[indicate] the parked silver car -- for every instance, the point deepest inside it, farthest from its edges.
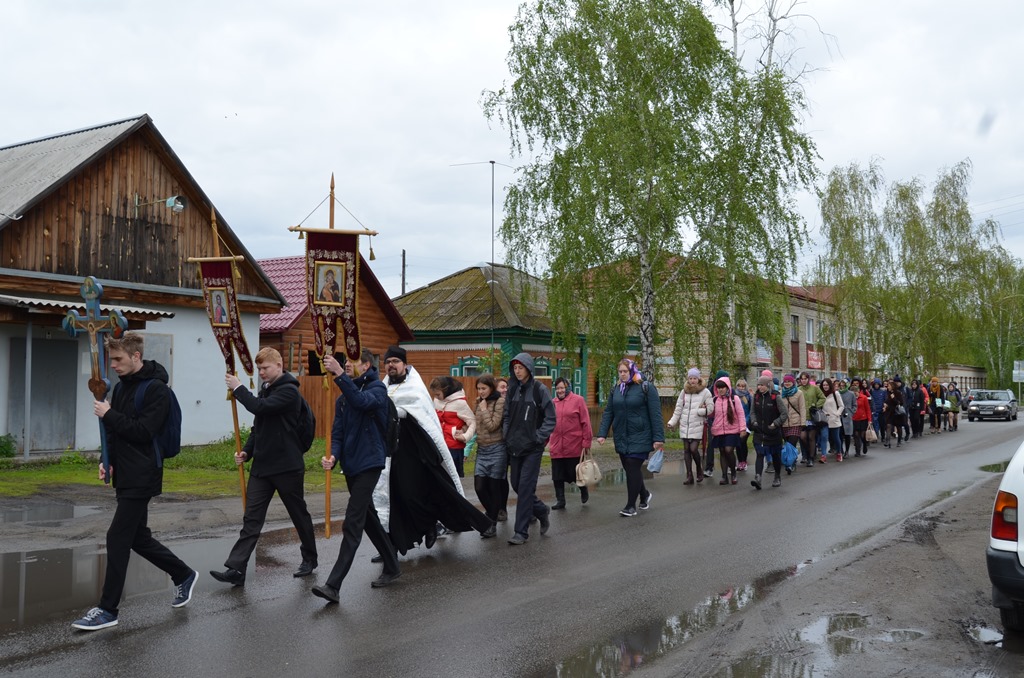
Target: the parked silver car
(993, 404)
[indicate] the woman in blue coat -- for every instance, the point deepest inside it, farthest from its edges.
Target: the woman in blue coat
(633, 413)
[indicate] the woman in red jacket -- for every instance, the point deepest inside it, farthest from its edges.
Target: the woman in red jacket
(457, 419)
(571, 437)
(861, 418)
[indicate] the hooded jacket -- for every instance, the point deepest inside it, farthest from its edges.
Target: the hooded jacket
(692, 408)
(360, 418)
(130, 433)
(529, 413)
(273, 444)
(795, 409)
(721, 425)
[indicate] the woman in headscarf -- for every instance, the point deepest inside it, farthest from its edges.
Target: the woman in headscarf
(792, 403)
(691, 413)
(633, 413)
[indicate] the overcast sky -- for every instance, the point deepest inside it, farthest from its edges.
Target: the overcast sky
(262, 101)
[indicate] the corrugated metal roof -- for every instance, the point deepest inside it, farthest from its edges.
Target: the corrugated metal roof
(31, 169)
(462, 301)
(65, 305)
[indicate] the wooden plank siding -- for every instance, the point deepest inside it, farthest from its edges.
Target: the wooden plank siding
(87, 226)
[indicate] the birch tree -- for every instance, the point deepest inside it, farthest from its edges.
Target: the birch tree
(656, 191)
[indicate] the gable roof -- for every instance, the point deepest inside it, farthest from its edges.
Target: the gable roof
(289, 276)
(31, 171)
(462, 301)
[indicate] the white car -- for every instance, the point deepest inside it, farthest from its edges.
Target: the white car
(1005, 553)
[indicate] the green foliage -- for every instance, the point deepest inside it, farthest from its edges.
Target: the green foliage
(658, 191)
(8, 446)
(70, 457)
(897, 260)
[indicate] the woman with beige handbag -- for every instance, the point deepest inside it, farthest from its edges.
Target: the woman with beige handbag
(633, 413)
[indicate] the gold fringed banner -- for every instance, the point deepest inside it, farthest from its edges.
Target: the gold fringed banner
(332, 272)
(222, 308)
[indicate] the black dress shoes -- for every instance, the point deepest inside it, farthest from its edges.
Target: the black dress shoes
(328, 593)
(305, 569)
(229, 576)
(385, 580)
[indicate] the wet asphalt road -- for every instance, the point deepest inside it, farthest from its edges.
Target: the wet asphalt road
(564, 604)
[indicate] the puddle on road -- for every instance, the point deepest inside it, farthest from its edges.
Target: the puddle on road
(624, 652)
(996, 468)
(37, 587)
(47, 512)
(984, 634)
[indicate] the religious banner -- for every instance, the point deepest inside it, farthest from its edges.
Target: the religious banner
(222, 308)
(815, 359)
(332, 274)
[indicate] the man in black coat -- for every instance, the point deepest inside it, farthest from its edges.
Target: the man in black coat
(277, 465)
(137, 476)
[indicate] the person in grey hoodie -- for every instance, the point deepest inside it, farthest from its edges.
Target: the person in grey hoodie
(528, 423)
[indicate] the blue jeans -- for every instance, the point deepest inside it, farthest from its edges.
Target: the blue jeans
(523, 476)
(823, 440)
(835, 439)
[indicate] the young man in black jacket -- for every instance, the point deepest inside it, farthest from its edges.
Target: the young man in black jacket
(277, 465)
(137, 477)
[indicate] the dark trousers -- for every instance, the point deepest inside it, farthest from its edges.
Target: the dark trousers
(525, 470)
(360, 515)
(634, 479)
(259, 493)
(776, 454)
(128, 532)
(459, 459)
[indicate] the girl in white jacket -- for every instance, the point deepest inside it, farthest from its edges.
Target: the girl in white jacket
(693, 406)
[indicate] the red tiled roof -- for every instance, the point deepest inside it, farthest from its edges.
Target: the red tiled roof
(289, 277)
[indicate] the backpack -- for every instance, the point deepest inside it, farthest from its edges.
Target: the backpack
(305, 426)
(167, 441)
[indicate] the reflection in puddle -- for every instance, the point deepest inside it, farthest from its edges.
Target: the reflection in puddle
(996, 468)
(986, 635)
(56, 584)
(900, 635)
(624, 652)
(48, 512)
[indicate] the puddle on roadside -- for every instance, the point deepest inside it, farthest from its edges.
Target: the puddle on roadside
(641, 645)
(996, 468)
(46, 512)
(833, 636)
(58, 584)
(984, 634)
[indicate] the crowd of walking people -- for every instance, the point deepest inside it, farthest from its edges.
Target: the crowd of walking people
(402, 448)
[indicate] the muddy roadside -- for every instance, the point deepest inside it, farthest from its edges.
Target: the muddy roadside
(913, 600)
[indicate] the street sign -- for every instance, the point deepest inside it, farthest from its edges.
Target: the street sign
(1018, 371)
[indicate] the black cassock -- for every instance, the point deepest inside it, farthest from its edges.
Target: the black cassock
(422, 493)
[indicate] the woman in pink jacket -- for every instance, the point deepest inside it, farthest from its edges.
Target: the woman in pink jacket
(571, 437)
(730, 421)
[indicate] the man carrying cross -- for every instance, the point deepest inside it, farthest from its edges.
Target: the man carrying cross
(137, 477)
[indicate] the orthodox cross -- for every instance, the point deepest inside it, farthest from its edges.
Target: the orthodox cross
(96, 324)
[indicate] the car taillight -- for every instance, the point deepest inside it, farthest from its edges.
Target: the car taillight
(1004, 517)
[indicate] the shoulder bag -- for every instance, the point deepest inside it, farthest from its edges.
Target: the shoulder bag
(588, 473)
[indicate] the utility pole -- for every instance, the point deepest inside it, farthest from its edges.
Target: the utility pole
(403, 272)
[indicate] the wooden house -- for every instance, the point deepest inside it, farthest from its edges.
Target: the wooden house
(112, 201)
(475, 320)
